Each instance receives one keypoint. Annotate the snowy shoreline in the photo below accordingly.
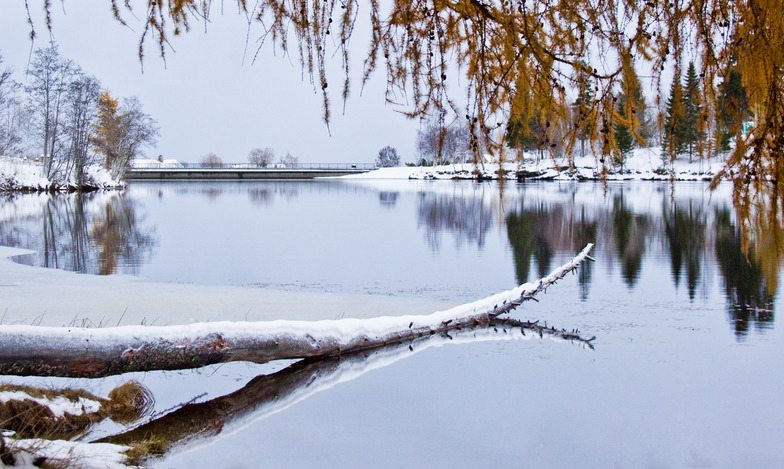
(641, 165)
(22, 175)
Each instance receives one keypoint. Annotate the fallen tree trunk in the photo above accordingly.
(195, 424)
(79, 352)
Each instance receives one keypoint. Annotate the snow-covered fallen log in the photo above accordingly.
(195, 424)
(79, 352)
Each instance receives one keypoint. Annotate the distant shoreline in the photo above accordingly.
(23, 176)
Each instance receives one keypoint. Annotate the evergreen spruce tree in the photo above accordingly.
(630, 108)
(582, 108)
(732, 108)
(673, 138)
(624, 139)
(692, 131)
(526, 136)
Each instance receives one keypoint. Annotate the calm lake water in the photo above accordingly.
(686, 370)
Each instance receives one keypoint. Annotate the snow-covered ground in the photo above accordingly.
(18, 174)
(642, 164)
(61, 453)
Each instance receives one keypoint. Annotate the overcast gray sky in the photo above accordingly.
(204, 98)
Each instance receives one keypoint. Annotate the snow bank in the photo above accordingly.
(67, 453)
(59, 406)
(642, 164)
(19, 174)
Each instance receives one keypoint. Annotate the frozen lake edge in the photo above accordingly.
(51, 297)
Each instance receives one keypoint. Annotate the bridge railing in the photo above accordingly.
(281, 166)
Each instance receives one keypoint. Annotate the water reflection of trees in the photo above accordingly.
(684, 228)
(528, 232)
(539, 231)
(629, 233)
(65, 234)
(750, 292)
(468, 219)
(117, 236)
(265, 194)
(82, 233)
(387, 199)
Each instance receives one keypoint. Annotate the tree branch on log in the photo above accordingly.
(79, 352)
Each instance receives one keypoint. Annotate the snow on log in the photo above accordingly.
(97, 352)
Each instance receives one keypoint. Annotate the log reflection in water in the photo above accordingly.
(268, 394)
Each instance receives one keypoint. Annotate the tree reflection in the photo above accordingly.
(387, 199)
(88, 233)
(629, 232)
(750, 292)
(116, 236)
(213, 192)
(260, 196)
(265, 194)
(529, 235)
(65, 235)
(685, 232)
(468, 219)
(584, 231)
(539, 233)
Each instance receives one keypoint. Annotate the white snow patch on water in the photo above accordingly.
(59, 405)
(68, 453)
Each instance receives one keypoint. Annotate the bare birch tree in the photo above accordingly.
(47, 87)
(82, 97)
(8, 105)
(438, 142)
